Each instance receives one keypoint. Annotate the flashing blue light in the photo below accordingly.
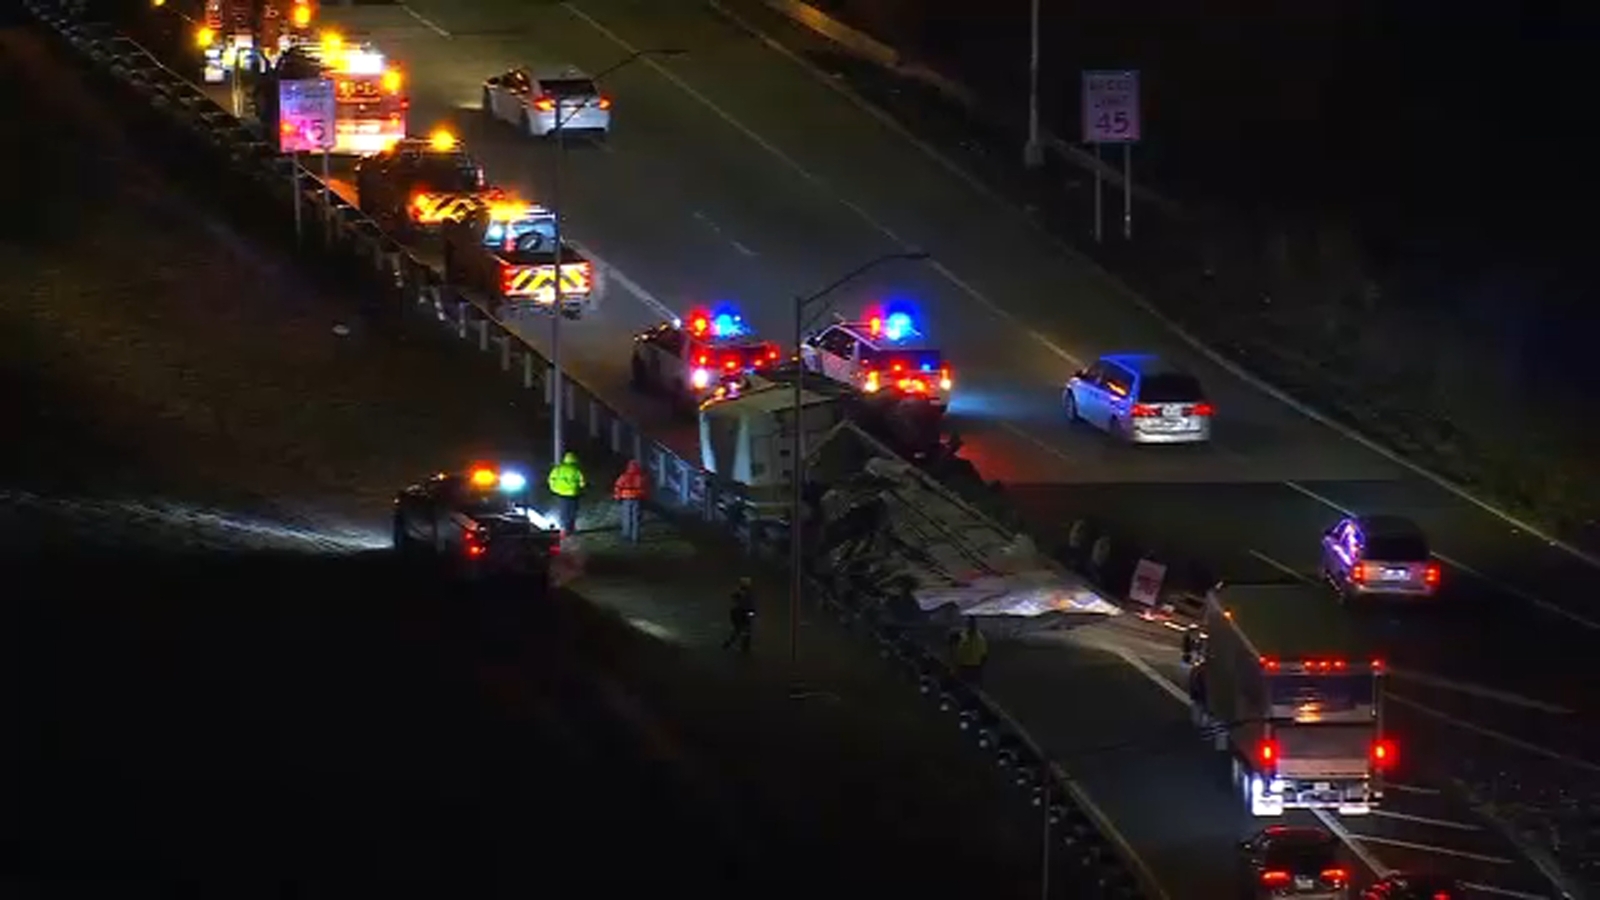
(898, 326)
(512, 482)
(927, 367)
(727, 325)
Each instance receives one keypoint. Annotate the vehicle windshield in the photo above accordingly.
(1170, 387)
(1397, 548)
(570, 87)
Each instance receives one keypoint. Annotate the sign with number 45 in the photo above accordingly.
(1111, 107)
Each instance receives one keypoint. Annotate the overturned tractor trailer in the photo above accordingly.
(1288, 693)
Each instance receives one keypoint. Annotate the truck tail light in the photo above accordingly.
(1384, 754)
(1267, 754)
(544, 103)
(508, 275)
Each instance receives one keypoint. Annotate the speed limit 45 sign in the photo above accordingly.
(1111, 107)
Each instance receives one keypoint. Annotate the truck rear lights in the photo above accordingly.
(1267, 753)
(1384, 754)
(1430, 575)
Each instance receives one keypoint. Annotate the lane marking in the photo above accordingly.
(1478, 690)
(1517, 742)
(811, 177)
(1430, 848)
(1425, 820)
(427, 22)
(1285, 568)
(1368, 859)
(1503, 892)
(741, 248)
(1517, 592)
(628, 284)
(1412, 789)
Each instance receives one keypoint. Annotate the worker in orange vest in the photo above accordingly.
(629, 492)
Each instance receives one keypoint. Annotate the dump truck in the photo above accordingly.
(1287, 691)
(506, 251)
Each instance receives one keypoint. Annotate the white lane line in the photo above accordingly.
(811, 177)
(1412, 789)
(741, 248)
(1332, 823)
(1425, 820)
(427, 22)
(628, 284)
(1517, 592)
(1285, 568)
(1430, 848)
(1517, 742)
(1478, 690)
(1502, 892)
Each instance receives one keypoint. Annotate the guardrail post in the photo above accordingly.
(549, 382)
(569, 400)
(527, 370)
(461, 319)
(661, 471)
(505, 352)
(638, 444)
(483, 335)
(616, 436)
(594, 420)
(683, 483)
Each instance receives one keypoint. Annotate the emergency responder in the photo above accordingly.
(629, 491)
(972, 651)
(566, 483)
(741, 616)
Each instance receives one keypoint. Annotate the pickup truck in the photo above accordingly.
(506, 252)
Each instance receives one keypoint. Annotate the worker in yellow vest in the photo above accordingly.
(566, 483)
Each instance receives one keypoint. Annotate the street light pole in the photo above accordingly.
(797, 443)
(557, 389)
(1033, 150)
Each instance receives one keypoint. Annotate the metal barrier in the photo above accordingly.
(178, 116)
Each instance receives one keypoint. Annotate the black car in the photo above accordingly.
(418, 185)
(474, 524)
(1411, 886)
(1293, 861)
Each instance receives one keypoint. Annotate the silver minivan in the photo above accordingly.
(1140, 399)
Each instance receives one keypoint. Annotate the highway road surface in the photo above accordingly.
(226, 686)
(736, 174)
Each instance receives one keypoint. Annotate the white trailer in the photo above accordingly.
(1287, 692)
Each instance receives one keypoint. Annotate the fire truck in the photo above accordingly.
(249, 34)
(507, 252)
(372, 104)
(1285, 691)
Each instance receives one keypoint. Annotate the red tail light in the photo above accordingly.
(1358, 573)
(473, 547)
(1202, 409)
(544, 103)
(1145, 411)
(1267, 753)
(604, 103)
(1335, 877)
(731, 365)
(507, 275)
(1430, 575)
(1384, 754)
(1274, 878)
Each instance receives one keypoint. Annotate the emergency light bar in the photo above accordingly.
(1312, 666)
(720, 324)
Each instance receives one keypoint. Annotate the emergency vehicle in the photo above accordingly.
(880, 356)
(689, 361)
(507, 251)
(1285, 691)
(247, 34)
(370, 92)
(419, 184)
(476, 523)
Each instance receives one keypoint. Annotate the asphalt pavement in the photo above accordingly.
(736, 174)
(225, 686)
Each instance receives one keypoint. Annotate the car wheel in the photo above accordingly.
(1069, 406)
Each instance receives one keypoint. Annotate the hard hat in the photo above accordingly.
(570, 459)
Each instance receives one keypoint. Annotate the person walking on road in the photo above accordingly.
(972, 651)
(742, 616)
(566, 483)
(629, 491)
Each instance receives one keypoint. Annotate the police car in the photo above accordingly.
(880, 355)
(690, 361)
(419, 184)
(476, 523)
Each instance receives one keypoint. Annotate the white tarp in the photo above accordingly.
(893, 528)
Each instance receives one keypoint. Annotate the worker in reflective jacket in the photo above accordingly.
(566, 483)
(972, 651)
(629, 491)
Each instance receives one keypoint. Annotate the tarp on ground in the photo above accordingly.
(891, 534)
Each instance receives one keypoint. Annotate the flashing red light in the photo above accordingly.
(702, 360)
(772, 354)
(1269, 663)
(875, 325)
(1335, 876)
(730, 364)
(1384, 753)
(474, 549)
(545, 103)
(605, 103)
(1377, 665)
(700, 325)
(1340, 665)
(484, 477)
(1358, 573)
(1202, 409)
(1145, 411)
(1430, 575)
(1274, 877)
(1443, 895)
(1267, 753)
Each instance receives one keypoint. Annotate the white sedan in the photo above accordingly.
(537, 102)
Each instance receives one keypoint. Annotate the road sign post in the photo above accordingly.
(306, 109)
(1111, 116)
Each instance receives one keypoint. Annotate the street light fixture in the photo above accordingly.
(558, 442)
(797, 446)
